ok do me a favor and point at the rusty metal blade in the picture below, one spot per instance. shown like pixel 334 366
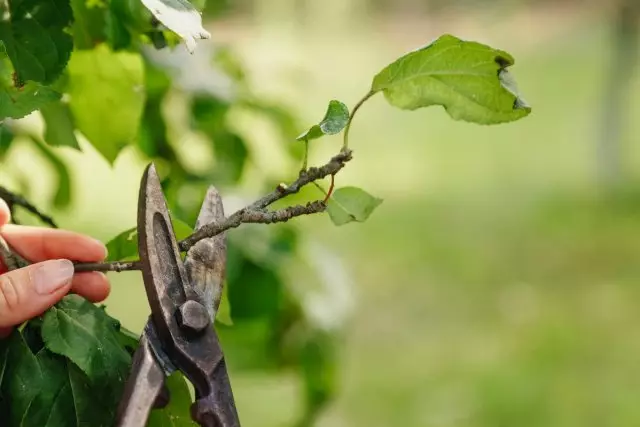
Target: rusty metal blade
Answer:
pixel 142 388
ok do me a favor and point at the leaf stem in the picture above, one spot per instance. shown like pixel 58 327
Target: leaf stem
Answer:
pixel 326 198
pixel 345 144
pixel 306 156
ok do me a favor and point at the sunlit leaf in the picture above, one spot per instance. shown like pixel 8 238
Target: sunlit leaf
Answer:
pixel 106 97
pixel 177 412
pixel 350 204
pixel 181 18
pixel 19 101
pixel 124 247
pixel 335 119
pixel 467 78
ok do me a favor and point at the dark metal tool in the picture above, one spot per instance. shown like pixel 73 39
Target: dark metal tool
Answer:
pixel 179 334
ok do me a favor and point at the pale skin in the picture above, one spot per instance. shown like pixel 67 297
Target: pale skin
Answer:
pixel 27 292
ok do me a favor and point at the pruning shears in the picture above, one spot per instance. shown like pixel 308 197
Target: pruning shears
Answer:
pixel 179 335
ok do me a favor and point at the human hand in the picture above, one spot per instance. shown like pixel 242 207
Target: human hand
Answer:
pixel 28 292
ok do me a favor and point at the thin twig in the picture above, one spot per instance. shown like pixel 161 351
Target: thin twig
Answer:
pixel 257 209
pixel 13 200
pixel 107 266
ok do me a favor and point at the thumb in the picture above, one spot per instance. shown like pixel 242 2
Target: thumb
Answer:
pixel 28 292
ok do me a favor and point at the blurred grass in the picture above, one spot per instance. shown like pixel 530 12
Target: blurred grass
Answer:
pixel 495 286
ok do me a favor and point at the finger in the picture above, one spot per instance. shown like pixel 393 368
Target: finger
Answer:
pixel 39 244
pixel 5 214
pixel 93 286
pixel 28 292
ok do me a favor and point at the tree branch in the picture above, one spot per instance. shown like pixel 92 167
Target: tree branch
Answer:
pixel 14 200
pixel 257 208
pixel 255 213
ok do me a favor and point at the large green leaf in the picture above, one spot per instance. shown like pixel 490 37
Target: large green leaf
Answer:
pixel 124 247
pixel 35 39
pixel 177 412
pixel 335 119
pixel 22 377
pixel 470 80
pixel 59 127
pixel 350 204
pixel 107 97
pixel 84 333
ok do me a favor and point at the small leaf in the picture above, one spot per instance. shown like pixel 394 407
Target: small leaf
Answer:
pixel 335 119
pixel 84 333
pixel 124 247
pixel 59 127
pixel 181 18
pixel 106 97
pixel 350 204
pixel 176 413
pixel 468 79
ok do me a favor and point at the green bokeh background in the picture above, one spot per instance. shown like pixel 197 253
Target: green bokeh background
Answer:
pixel 497 285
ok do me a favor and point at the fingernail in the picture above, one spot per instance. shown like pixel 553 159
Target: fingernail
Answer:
pixel 52 275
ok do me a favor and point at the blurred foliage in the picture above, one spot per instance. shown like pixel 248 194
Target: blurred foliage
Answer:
pixel 114 91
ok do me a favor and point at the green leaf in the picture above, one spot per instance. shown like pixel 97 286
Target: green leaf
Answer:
pixel 350 204
pixel 35 40
pixel 177 412
pixel 17 102
pixel 335 119
pixel 22 377
pixel 63 185
pixel 66 397
pixel 84 333
pixel 180 17
pixel 124 247
pixel 223 315
pixel 468 79
pixel 6 138
pixel 89 24
pixel 319 372
pixel 107 97
pixel 59 126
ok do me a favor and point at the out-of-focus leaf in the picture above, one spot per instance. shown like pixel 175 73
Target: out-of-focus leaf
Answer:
pixel 17 102
pixel 63 193
pixel 468 79
pixel 177 412
pixel 335 119
pixel 231 156
pixel 181 18
pixel 350 204
pixel 59 126
pixel 35 40
pixel 6 138
pixel 319 372
pixel 89 23
pixel 84 333
pixel 107 97
pixel 124 247
pixel 223 315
